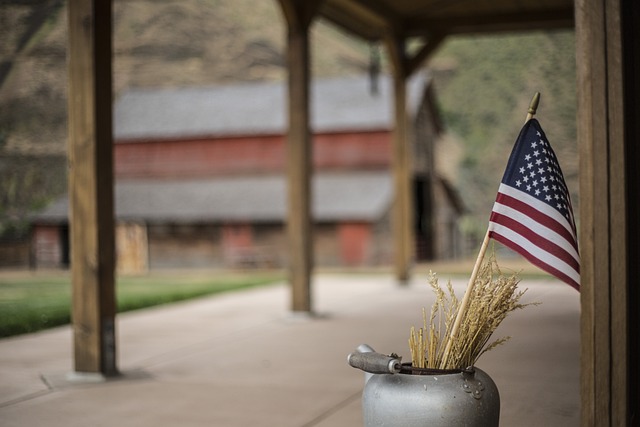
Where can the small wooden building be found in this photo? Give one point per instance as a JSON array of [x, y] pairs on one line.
[[200, 178]]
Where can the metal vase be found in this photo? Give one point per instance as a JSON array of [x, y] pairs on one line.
[[468, 398]]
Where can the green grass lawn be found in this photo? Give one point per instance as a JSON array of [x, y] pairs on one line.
[[31, 302]]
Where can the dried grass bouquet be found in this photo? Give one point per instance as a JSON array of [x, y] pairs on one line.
[[493, 296]]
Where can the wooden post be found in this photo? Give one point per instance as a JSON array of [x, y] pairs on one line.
[[299, 15], [402, 66], [629, 155], [299, 171], [90, 153], [608, 100], [403, 215], [402, 210]]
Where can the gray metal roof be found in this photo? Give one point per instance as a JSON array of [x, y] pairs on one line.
[[336, 196], [256, 108]]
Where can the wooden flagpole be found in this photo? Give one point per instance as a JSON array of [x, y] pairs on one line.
[[533, 107]]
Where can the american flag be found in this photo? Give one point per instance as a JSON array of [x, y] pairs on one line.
[[532, 214]]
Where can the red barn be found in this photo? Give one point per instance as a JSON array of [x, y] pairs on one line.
[[200, 183]]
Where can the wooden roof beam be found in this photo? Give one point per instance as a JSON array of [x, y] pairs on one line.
[[299, 14], [414, 62], [560, 18], [370, 19], [405, 63]]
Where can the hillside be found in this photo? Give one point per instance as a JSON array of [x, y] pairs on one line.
[[484, 99], [484, 84], [167, 43]]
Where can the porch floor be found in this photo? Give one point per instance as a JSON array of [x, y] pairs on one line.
[[243, 359]]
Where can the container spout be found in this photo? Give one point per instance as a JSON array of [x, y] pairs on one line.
[[366, 359]]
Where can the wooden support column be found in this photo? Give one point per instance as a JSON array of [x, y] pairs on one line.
[[299, 172], [630, 16], [402, 169], [402, 210], [90, 154], [608, 64], [403, 215], [299, 15]]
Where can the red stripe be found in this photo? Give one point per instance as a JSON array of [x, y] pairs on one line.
[[538, 216], [536, 261], [539, 241]]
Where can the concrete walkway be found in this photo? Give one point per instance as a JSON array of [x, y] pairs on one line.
[[241, 359]]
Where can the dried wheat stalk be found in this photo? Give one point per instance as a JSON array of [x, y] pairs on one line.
[[494, 296]]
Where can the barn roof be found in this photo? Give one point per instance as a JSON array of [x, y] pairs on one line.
[[338, 104], [357, 196]]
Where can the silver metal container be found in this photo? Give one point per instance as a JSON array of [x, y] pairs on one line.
[[468, 398]]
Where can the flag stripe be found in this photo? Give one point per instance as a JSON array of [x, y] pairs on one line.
[[549, 229], [519, 198], [545, 260], [574, 283], [536, 239]]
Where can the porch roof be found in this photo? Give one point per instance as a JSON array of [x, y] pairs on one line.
[[418, 18]]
